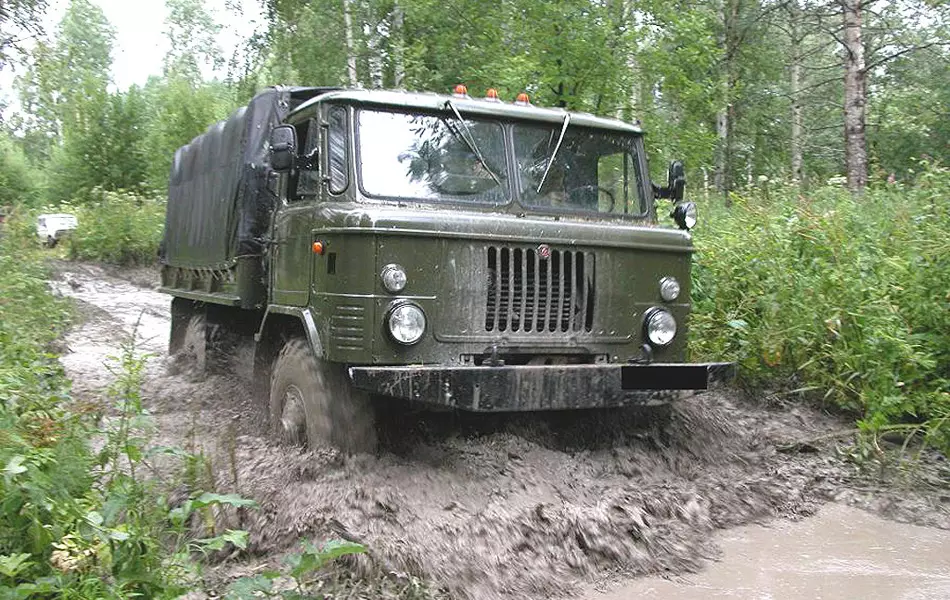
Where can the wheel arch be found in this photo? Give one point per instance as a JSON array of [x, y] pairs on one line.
[[279, 325]]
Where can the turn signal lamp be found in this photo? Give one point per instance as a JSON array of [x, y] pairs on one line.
[[492, 95], [319, 247], [460, 91], [523, 99]]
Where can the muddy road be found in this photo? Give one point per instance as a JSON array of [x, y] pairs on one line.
[[502, 507]]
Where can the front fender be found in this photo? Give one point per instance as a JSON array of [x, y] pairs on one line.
[[305, 318]]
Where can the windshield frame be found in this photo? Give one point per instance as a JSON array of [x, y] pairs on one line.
[[513, 178]]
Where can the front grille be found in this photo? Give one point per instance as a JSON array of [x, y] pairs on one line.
[[531, 294]]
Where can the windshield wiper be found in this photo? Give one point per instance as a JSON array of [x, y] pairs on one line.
[[557, 146], [470, 142]]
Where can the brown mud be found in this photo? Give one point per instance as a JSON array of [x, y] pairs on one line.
[[523, 506]]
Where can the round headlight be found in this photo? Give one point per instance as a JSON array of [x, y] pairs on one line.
[[407, 323], [669, 289], [394, 278], [660, 326], [685, 215]]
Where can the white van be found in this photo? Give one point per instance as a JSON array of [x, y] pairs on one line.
[[53, 227]]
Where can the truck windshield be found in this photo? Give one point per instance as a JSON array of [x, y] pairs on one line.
[[592, 171], [428, 158]]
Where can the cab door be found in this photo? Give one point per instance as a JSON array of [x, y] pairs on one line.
[[292, 253]]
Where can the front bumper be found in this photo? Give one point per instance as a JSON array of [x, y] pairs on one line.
[[550, 387]]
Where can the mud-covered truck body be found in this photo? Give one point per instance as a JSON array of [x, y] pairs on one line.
[[455, 252]]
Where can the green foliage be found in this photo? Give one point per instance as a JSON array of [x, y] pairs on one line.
[[302, 567], [18, 181], [180, 110], [19, 20], [43, 456], [118, 227], [191, 32], [838, 298], [108, 153], [68, 77], [73, 522]]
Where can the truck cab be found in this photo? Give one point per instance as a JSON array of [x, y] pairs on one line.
[[452, 252]]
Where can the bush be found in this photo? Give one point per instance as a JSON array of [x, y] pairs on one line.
[[19, 183], [840, 298], [43, 454], [118, 227]]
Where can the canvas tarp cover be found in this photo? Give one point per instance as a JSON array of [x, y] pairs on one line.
[[218, 201]]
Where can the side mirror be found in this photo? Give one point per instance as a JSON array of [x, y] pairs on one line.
[[283, 147], [676, 181]]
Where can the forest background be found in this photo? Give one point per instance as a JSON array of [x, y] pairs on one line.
[[739, 89]]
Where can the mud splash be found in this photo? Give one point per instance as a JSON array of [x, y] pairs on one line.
[[524, 506]]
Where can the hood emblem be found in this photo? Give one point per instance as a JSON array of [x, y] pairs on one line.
[[544, 251]]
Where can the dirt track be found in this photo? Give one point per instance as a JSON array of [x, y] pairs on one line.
[[519, 507]]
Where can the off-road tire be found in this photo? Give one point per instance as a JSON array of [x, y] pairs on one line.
[[312, 402]]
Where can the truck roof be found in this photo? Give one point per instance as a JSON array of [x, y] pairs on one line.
[[466, 105]]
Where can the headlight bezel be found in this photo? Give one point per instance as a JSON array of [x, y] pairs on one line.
[[394, 278], [391, 314], [651, 318]]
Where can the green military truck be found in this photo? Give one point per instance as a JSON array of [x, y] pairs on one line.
[[454, 252]]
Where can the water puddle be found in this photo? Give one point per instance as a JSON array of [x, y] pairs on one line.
[[840, 553]]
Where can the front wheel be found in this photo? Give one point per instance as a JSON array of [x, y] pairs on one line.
[[313, 402]]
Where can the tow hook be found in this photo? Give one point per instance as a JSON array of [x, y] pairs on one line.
[[646, 355], [493, 360]]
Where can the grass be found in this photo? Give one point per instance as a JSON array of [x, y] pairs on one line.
[[835, 299]]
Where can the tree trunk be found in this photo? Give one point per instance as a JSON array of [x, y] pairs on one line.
[[726, 115], [350, 46], [721, 177], [795, 86], [855, 98], [398, 46]]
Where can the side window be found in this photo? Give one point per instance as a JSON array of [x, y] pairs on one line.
[[337, 149], [308, 183], [619, 179], [293, 179]]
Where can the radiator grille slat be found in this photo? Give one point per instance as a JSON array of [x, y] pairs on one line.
[[572, 323], [530, 293]]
